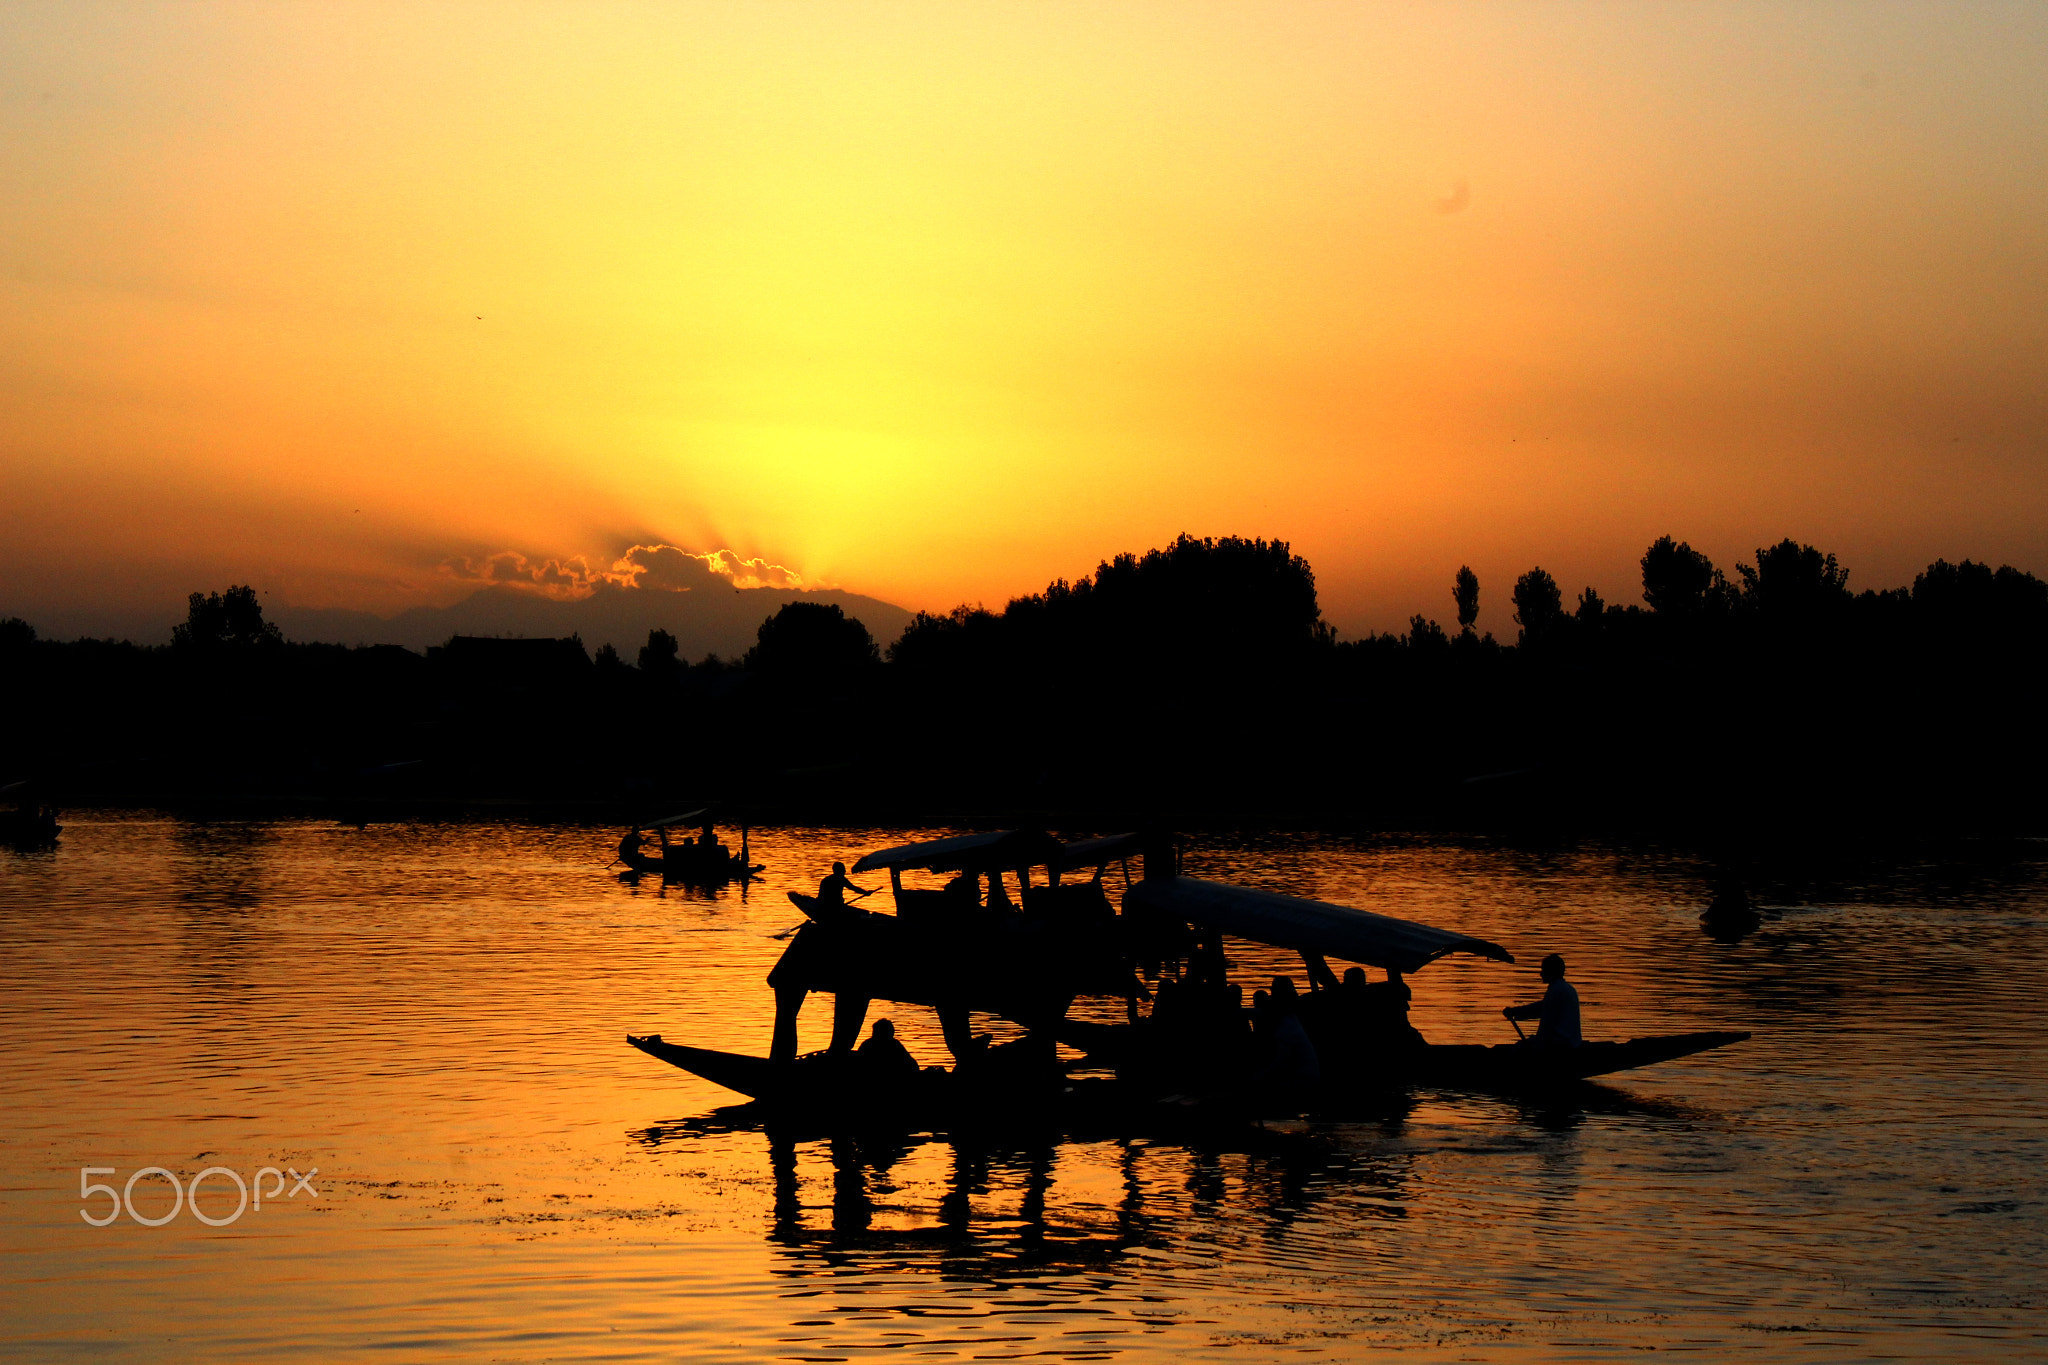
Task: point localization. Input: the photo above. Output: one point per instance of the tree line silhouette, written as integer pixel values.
(1194, 679)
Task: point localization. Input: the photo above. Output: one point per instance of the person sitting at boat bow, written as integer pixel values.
(630, 845)
(1557, 1013)
(883, 1056)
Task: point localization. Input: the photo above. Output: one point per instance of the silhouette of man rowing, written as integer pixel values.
(1556, 1014)
(629, 848)
(832, 891)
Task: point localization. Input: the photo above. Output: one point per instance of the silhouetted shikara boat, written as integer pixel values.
(693, 860)
(958, 952)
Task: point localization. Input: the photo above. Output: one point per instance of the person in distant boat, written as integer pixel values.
(1557, 1013)
(832, 890)
(883, 1057)
(630, 846)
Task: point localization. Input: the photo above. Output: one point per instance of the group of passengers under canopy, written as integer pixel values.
(1358, 1030)
(1349, 1030)
(1354, 1031)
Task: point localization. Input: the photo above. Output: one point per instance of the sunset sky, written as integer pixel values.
(939, 301)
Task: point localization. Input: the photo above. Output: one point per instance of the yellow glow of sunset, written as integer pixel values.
(938, 301)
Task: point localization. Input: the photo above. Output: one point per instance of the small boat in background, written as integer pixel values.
(702, 861)
(30, 824)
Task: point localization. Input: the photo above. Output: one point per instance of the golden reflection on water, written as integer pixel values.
(433, 1016)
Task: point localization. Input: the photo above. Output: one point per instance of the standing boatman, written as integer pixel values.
(1557, 1013)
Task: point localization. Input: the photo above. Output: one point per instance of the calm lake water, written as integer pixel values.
(434, 1016)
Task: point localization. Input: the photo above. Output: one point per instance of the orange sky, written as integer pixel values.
(939, 301)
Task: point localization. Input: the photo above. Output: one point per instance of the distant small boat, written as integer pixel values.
(701, 861)
(29, 828)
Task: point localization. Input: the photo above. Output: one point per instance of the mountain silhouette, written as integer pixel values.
(713, 620)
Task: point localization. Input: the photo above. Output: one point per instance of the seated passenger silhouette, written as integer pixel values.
(883, 1059)
(1388, 1010)
(1292, 1063)
(629, 847)
(1354, 1003)
(1557, 1013)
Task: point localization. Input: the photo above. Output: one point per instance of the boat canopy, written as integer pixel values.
(997, 851)
(1310, 926)
(688, 817)
(1098, 852)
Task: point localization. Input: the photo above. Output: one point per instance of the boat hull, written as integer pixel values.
(1526, 1066)
(695, 869)
(834, 1088)
(1509, 1066)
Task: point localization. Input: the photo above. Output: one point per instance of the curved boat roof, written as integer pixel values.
(1313, 926)
(688, 817)
(1096, 852)
(997, 850)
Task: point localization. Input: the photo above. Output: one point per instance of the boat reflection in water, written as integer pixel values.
(988, 1204)
(1035, 1199)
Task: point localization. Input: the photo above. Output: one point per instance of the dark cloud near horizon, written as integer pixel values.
(650, 568)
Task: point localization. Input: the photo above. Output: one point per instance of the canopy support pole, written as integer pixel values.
(849, 1012)
(789, 1002)
(958, 1029)
(1319, 973)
